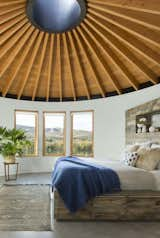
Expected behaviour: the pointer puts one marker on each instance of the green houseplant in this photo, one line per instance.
(12, 143)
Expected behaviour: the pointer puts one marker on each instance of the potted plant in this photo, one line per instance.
(12, 143)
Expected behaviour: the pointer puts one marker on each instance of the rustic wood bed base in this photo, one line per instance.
(123, 206)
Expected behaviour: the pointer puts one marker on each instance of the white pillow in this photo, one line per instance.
(146, 144)
(136, 146)
(132, 148)
(131, 158)
(153, 146)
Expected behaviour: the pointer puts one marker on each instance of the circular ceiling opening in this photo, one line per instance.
(56, 16)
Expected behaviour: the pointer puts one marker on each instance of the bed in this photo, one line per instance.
(138, 200)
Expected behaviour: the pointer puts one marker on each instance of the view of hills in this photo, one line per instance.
(82, 141)
(57, 132)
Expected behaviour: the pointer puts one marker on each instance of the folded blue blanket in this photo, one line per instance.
(78, 181)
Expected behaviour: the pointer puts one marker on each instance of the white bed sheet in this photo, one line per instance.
(156, 175)
(132, 178)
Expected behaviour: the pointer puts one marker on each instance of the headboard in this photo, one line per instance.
(143, 123)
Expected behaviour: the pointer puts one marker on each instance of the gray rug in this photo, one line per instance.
(25, 208)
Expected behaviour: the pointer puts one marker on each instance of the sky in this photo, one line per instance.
(82, 121)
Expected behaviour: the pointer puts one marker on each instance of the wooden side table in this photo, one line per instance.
(6, 171)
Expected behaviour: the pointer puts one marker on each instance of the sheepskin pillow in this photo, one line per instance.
(132, 148)
(131, 158)
(146, 144)
(148, 158)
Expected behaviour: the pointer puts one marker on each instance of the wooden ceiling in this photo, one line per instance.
(115, 49)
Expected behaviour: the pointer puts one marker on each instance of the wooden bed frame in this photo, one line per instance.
(123, 206)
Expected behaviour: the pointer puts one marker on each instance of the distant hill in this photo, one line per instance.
(58, 132)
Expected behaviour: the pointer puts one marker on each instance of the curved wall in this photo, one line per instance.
(109, 124)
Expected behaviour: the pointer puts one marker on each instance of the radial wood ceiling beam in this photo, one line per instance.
(11, 32)
(30, 64)
(126, 53)
(69, 66)
(8, 25)
(143, 10)
(40, 65)
(12, 16)
(50, 61)
(126, 42)
(134, 33)
(12, 9)
(79, 65)
(94, 73)
(12, 41)
(16, 50)
(8, 3)
(21, 61)
(122, 68)
(142, 23)
(59, 66)
(108, 72)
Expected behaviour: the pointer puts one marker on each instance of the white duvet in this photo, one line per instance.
(132, 178)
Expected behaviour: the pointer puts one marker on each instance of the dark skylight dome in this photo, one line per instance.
(56, 16)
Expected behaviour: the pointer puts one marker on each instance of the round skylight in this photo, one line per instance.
(56, 16)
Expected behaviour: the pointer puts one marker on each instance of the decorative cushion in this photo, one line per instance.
(136, 146)
(131, 158)
(156, 145)
(148, 158)
(146, 144)
(132, 148)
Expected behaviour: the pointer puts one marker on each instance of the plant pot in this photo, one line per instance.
(10, 159)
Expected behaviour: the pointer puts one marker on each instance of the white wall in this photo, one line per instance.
(109, 123)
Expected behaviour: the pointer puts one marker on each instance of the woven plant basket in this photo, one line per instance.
(10, 159)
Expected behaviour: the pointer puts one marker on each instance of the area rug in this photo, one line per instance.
(25, 208)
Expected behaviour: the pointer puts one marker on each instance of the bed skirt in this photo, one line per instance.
(123, 206)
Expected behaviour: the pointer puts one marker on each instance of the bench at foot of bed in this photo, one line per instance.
(123, 206)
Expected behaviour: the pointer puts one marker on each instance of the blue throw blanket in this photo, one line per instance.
(78, 181)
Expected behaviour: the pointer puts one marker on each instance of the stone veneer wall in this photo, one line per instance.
(131, 135)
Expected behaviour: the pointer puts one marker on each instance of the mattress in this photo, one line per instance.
(132, 178)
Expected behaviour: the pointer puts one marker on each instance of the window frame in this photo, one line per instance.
(64, 133)
(36, 131)
(71, 133)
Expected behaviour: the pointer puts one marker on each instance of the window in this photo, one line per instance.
(82, 133)
(54, 133)
(28, 121)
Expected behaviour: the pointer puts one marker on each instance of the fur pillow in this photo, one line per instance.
(132, 148)
(146, 144)
(148, 158)
(136, 146)
(131, 158)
